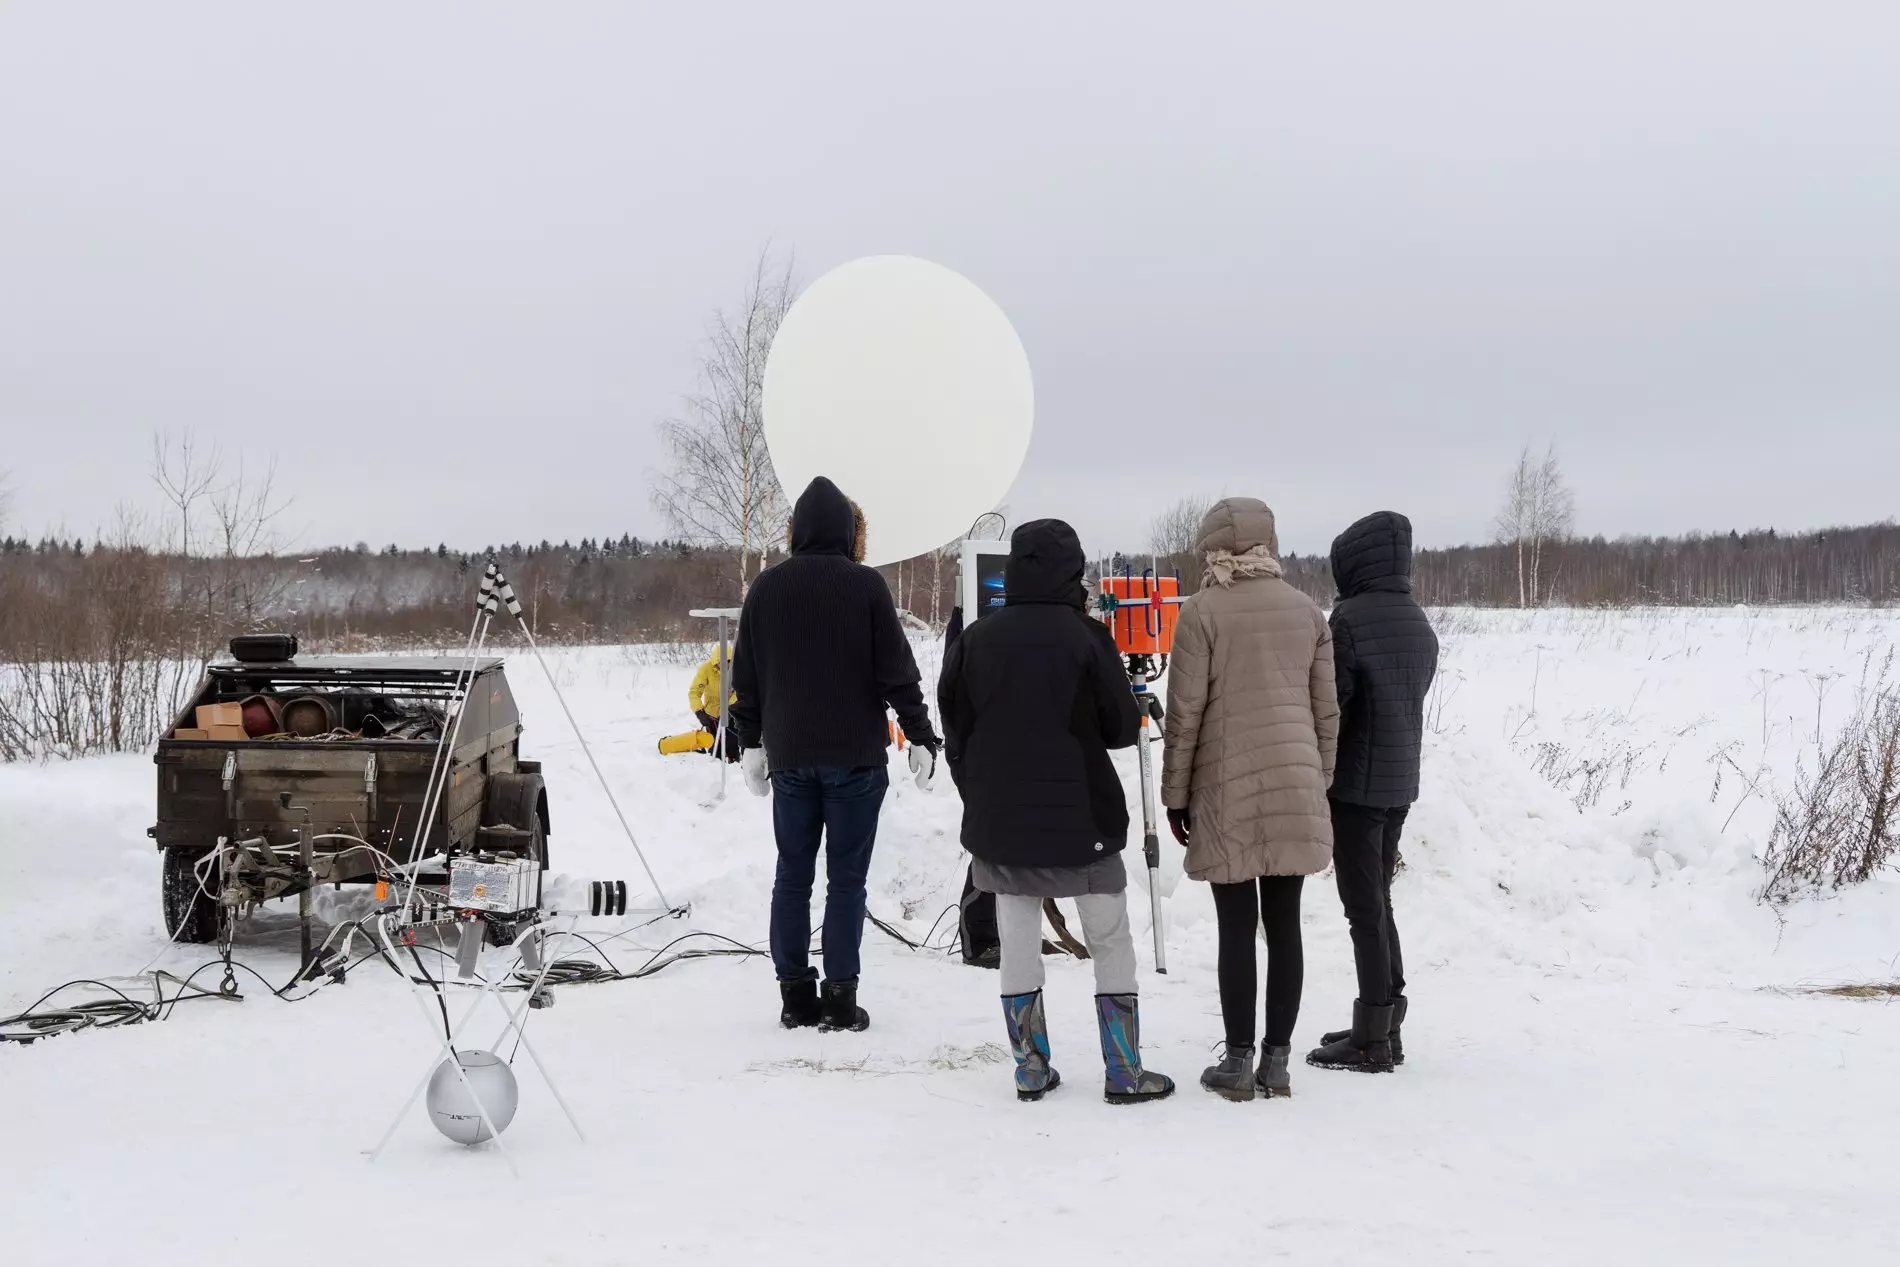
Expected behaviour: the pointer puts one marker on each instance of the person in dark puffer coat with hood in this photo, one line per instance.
(820, 655)
(1385, 656)
(1032, 699)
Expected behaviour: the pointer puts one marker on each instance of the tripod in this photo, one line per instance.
(1141, 612)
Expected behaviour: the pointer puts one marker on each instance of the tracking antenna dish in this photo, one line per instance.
(906, 385)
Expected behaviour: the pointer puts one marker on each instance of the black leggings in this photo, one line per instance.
(1241, 911)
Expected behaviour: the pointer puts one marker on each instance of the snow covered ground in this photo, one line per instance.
(1610, 1056)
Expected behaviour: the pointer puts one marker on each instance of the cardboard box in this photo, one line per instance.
(210, 715)
(225, 732)
(190, 732)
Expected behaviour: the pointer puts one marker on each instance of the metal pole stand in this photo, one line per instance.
(1141, 671)
(525, 948)
(724, 615)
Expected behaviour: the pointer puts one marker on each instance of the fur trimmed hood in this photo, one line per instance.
(825, 521)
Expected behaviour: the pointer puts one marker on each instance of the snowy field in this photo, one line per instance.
(1613, 1052)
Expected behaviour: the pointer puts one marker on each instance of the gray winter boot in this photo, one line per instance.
(1232, 1078)
(1029, 1043)
(1273, 1079)
(1126, 1082)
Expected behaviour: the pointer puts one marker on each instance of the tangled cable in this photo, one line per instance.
(39, 1021)
(587, 972)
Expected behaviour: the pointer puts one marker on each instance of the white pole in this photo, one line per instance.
(439, 767)
(725, 702)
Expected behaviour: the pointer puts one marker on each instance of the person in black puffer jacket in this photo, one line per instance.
(1032, 698)
(820, 655)
(1385, 655)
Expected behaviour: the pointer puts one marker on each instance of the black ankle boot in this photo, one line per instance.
(840, 1008)
(1366, 1048)
(800, 1004)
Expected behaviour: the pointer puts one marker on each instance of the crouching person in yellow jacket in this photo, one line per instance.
(703, 697)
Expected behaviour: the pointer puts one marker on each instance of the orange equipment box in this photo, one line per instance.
(1144, 623)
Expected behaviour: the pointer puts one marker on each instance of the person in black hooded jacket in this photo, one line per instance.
(1032, 698)
(1385, 655)
(820, 655)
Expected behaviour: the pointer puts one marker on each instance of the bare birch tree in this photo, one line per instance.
(1539, 509)
(721, 489)
(221, 528)
(1172, 536)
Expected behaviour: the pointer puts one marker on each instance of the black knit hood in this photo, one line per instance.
(825, 521)
(1374, 555)
(1045, 564)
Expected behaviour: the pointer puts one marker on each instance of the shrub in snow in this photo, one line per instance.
(1841, 823)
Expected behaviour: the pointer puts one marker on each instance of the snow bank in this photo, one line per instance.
(1581, 933)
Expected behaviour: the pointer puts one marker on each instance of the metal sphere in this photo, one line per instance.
(453, 1111)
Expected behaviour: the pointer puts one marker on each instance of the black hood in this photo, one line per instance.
(1045, 565)
(1374, 554)
(824, 521)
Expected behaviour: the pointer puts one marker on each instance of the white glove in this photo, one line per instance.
(752, 765)
(923, 765)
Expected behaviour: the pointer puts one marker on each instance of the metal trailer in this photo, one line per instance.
(275, 808)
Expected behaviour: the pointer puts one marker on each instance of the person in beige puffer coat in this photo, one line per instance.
(1251, 736)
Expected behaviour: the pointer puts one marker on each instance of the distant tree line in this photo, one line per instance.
(611, 589)
(1759, 568)
(98, 639)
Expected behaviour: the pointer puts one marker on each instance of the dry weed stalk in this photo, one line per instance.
(1841, 823)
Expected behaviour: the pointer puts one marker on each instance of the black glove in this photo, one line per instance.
(1179, 825)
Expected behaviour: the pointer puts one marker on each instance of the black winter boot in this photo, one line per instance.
(800, 1004)
(1398, 1019)
(1366, 1048)
(840, 1009)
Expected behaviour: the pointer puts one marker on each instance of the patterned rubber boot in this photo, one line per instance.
(1119, 1017)
(1232, 1078)
(1273, 1079)
(1029, 1043)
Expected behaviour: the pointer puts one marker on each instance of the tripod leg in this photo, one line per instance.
(1150, 843)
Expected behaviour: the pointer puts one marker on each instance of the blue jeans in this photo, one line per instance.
(840, 803)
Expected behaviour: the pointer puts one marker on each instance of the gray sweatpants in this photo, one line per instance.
(1104, 929)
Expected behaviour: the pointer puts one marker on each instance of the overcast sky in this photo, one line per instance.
(450, 262)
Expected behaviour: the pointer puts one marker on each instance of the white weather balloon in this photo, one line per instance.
(907, 386)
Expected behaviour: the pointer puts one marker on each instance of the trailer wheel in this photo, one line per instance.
(190, 916)
(538, 842)
(519, 801)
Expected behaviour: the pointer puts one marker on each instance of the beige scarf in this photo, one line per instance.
(1224, 567)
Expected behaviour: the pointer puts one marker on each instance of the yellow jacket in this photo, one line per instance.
(703, 694)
